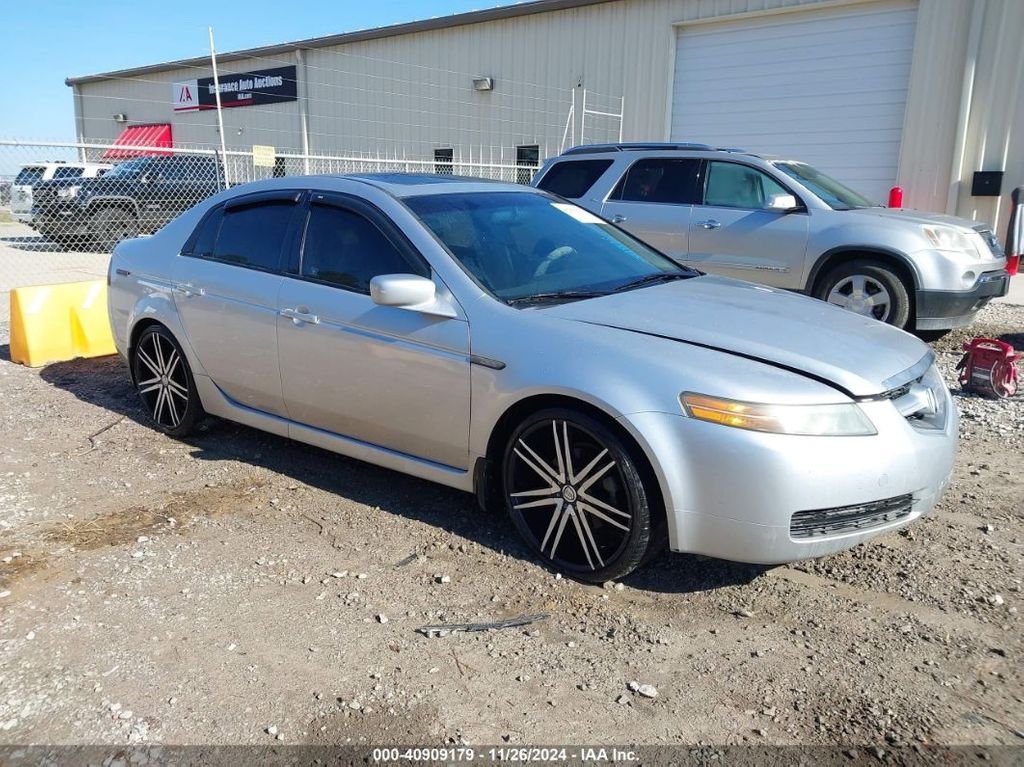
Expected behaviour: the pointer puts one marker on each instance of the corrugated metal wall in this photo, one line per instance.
(405, 95)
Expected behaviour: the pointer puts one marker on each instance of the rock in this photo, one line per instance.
(633, 686)
(339, 574)
(443, 578)
(622, 699)
(272, 730)
(4, 594)
(382, 618)
(744, 613)
(996, 599)
(647, 691)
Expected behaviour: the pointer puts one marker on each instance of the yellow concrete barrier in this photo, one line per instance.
(53, 323)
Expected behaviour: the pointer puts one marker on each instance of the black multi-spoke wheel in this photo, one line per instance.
(164, 382)
(575, 493)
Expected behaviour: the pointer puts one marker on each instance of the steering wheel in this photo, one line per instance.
(552, 258)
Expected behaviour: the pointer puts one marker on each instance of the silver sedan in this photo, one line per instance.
(502, 341)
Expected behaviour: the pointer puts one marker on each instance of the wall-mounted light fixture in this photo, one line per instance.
(120, 117)
(483, 84)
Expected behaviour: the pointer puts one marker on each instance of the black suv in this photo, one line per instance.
(134, 197)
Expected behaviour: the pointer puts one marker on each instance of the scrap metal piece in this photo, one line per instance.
(444, 629)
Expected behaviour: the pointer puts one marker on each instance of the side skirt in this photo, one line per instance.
(216, 402)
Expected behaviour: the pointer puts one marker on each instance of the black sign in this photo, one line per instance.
(240, 89)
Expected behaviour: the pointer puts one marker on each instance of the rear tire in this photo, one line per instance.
(112, 225)
(575, 492)
(867, 287)
(163, 380)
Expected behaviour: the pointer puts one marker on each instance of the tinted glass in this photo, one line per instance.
(29, 175)
(66, 172)
(131, 168)
(519, 245)
(833, 193)
(254, 236)
(731, 185)
(205, 237)
(573, 179)
(346, 249)
(674, 181)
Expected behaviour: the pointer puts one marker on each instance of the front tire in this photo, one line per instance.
(575, 492)
(869, 288)
(163, 380)
(110, 226)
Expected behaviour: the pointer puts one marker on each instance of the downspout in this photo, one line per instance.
(966, 97)
(79, 120)
(300, 59)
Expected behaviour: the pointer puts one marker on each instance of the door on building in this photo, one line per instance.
(825, 86)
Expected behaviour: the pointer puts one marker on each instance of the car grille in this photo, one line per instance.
(848, 519)
(991, 240)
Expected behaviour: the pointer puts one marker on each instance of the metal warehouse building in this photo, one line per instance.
(924, 94)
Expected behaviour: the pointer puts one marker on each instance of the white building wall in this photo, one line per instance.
(407, 94)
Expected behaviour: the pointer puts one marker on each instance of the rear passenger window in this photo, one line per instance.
(254, 235)
(66, 172)
(573, 178)
(346, 249)
(205, 237)
(731, 185)
(676, 181)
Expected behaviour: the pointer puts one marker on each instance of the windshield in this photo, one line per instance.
(29, 175)
(523, 246)
(833, 193)
(129, 168)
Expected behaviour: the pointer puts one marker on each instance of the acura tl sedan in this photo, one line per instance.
(500, 340)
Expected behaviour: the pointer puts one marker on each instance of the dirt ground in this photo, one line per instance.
(240, 588)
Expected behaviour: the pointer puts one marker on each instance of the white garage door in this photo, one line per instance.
(827, 87)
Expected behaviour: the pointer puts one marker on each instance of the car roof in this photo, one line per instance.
(394, 184)
(419, 184)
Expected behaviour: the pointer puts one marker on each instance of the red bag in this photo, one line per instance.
(989, 368)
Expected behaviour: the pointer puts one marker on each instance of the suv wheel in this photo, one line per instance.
(869, 288)
(111, 225)
(575, 492)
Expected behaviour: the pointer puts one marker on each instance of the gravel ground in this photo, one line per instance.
(239, 588)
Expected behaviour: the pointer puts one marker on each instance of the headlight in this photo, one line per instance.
(840, 420)
(68, 191)
(948, 238)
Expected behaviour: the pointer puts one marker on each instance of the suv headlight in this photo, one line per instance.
(950, 238)
(839, 420)
(68, 191)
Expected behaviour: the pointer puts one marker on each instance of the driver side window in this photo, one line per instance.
(731, 185)
(347, 250)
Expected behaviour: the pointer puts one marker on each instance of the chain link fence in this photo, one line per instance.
(89, 196)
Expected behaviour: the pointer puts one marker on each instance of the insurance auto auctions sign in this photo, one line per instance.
(240, 89)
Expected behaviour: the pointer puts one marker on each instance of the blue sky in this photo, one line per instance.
(44, 41)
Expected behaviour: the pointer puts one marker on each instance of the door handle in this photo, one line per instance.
(300, 315)
(188, 290)
(710, 224)
(618, 218)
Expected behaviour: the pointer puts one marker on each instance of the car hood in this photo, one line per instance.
(919, 217)
(860, 356)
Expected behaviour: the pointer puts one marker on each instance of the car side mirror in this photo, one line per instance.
(781, 203)
(409, 291)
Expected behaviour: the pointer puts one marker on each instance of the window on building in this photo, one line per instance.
(444, 161)
(346, 249)
(732, 185)
(657, 179)
(528, 160)
(573, 178)
(254, 235)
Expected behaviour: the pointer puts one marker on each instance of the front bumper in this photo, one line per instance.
(66, 218)
(732, 494)
(942, 309)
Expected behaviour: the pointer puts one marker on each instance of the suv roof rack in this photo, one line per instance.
(650, 146)
(638, 147)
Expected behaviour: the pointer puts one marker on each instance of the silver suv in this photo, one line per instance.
(783, 223)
